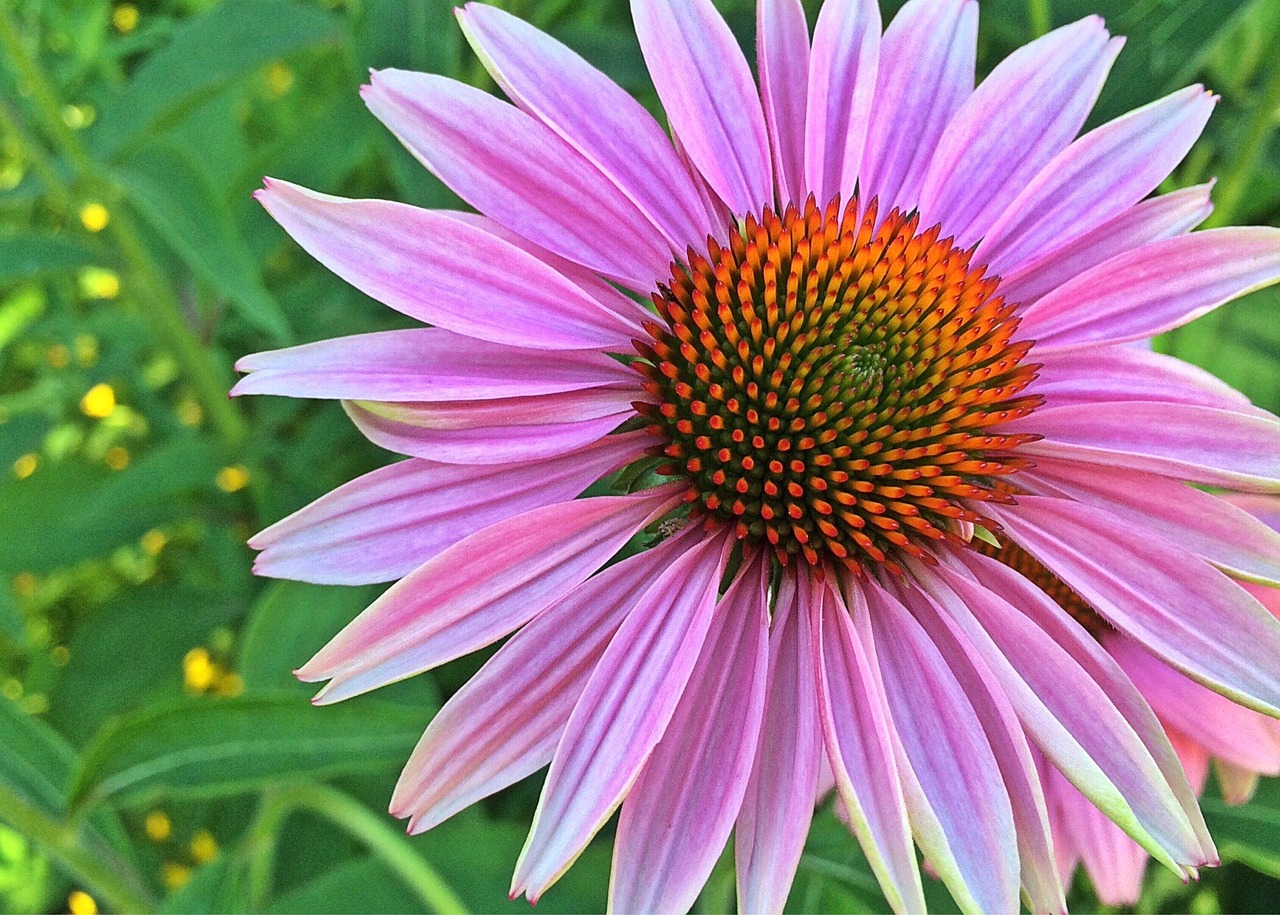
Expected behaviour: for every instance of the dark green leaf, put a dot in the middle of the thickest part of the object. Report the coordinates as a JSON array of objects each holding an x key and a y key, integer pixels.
[{"x": 33, "y": 254}]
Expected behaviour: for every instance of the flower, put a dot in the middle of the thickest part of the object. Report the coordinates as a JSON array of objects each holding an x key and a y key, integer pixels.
[{"x": 886, "y": 316}]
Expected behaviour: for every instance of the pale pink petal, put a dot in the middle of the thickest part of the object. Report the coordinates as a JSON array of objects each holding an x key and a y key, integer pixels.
[
  {"x": 507, "y": 431},
  {"x": 1204, "y": 524},
  {"x": 1265, "y": 508},
  {"x": 782, "y": 53},
  {"x": 505, "y": 722},
  {"x": 842, "y": 84},
  {"x": 778, "y": 805},
  {"x": 1236, "y": 783},
  {"x": 1114, "y": 862},
  {"x": 519, "y": 172},
  {"x": 385, "y": 524},
  {"x": 1031, "y": 106},
  {"x": 1185, "y": 441},
  {"x": 593, "y": 114},
  {"x": 677, "y": 818},
  {"x": 445, "y": 272},
  {"x": 622, "y": 714},
  {"x": 858, "y": 732},
  {"x": 710, "y": 98},
  {"x": 429, "y": 363},
  {"x": 478, "y": 590},
  {"x": 1178, "y": 606},
  {"x": 1096, "y": 178},
  {"x": 926, "y": 72},
  {"x": 1155, "y": 288},
  {"x": 962, "y": 816},
  {"x": 1193, "y": 758},
  {"x": 1161, "y": 217}
]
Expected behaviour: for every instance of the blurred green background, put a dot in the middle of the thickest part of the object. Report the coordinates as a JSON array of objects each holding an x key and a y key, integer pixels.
[{"x": 155, "y": 752}]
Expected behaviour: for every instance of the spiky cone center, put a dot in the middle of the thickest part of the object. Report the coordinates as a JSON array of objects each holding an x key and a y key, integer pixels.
[
  {"x": 833, "y": 384},
  {"x": 1022, "y": 562}
]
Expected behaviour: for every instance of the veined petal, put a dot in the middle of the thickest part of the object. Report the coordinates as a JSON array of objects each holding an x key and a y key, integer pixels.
[
  {"x": 505, "y": 722},
  {"x": 594, "y": 115},
  {"x": 424, "y": 364},
  {"x": 677, "y": 818},
  {"x": 926, "y": 72},
  {"x": 622, "y": 714},
  {"x": 859, "y": 738},
  {"x": 1022, "y": 115},
  {"x": 385, "y": 524},
  {"x": 1096, "y": 178},
  {"x": 1166, "y": 216},
  {"x": 1178, "y": 606},
  {"x": 779, "y": 801},
  {"x": 478, "y": 590},
  {"x": 519, "y": 172},
  {"x": 445, "y": 272},
  {"x": 842, "y": 82},
  {"x": 709, "y": 96},
  {"x": 1114, "y": 862},
  {"x": 782, "y": 49},
  {"x": 1155, "y": 288}
]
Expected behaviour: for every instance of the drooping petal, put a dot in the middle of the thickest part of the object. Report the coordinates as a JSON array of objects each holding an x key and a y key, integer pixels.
[
  {"x": 709, "y": 96},
  {"x": 960, "y": 809},
  {"x": 1114, "y": 862},
  {"x": 593, "y": 114},
  {"x": 385, "y": 524},
  {"x": 445, "y": 272},
  {"x": 478, "y": 590},
  {"x": 1166, "y": 216},
  {"x": 1185, "y": 441},
  {"x": 926, "y": 72},
  {"x": 1155, "y": 288},
  {"x": 677, "y": 818},
  {"x": 1175, "y": 604},
  {"x": 519, "y": 172},
  {"x": 782, "y": 49},
  {"x": 778, "y": 805},
  {"x": 1236, "y": 783},
  {"x": 505, "y": 722},
  {"x": 1097, "y": 178},
  {"x": 495, "y": 431},
  {"x": 622, "y": 714},
  {"x": 1022, "y": 115},
  {"x": 842, "y": 83},
  {"x": 427, "y": 364},
  {"x": 857, "y": 729}
]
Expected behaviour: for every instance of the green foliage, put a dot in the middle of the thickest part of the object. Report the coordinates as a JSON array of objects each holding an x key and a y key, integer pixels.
[{"x": 155, "y": 749}]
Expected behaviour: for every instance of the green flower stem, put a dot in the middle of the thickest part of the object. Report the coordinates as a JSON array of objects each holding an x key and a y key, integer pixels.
[
  {"x": 1040, "y": 15},
  {"x": 348, "y": 814},
  {"x": 114, "y": 882},
  {"x": 1236, "y": 177}
]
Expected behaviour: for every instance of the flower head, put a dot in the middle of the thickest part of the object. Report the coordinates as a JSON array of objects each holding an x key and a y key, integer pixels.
[{"x": 820, "y": 343}]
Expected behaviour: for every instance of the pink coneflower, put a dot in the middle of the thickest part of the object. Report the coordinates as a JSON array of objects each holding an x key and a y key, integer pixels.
[{"x": 884, "y": 317}]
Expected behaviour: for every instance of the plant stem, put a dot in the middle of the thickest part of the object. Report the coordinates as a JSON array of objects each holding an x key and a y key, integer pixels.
[
  {"x": 113, "y": 882},
  {"x": 1235, "y": 179},
  {"x": 1040, "y": 15}
]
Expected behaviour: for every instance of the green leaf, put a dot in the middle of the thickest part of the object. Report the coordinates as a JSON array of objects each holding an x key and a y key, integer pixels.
[
  {"x": 1248, "y": 834},
  {"x": 168, "y": 190},
  {"x": 204, "y": 747},
  {"x": 204, "y": 892},
  {"x": 29, "y": 255}
]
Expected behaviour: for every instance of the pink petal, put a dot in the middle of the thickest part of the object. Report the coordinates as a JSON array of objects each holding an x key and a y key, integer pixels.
[
  {"x": 710, "y": 98},
  {"x": 860, "y": 743},
  {"x": 842, "y": 83},
  {"x": 445, "y": 272},
  {"x": 778, "y": 805},
  {"x": 1096, "y": 178},
  {"x": 505, "y": 722},
  {"x": 594, "y": 115},
  {"x": 385, "y": 524},
  {"x": 478, "y": 590},
  {"x": 1155, "y": 288},
  {"x": 504, "y": 431},
  {"x": 1193, "y": 758},
  {"x": 428, "y": 364},
  {"x": 1031, "y": 106},
  {"x": 782, "y": 48},
  {"x": 1194, "y": 443},
  {"x": 1161, "y": 217},
  {"x": 622, "y": 714},
  {"x": 677, "y": 818},
  {"x": 1114, "y": 862},
  {"x": 516, "y": 170},
  {"x": 960, "y": 810},
  {"x": 1178, "y": 606},
  {"x": 925, "y": 74},
  {"x": 1237, "y": 784}
]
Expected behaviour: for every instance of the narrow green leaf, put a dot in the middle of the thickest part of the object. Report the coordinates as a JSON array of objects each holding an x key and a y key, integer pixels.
[
  {"x": 1248, "y": 834},
  {"x": 28, "y": 255}
]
